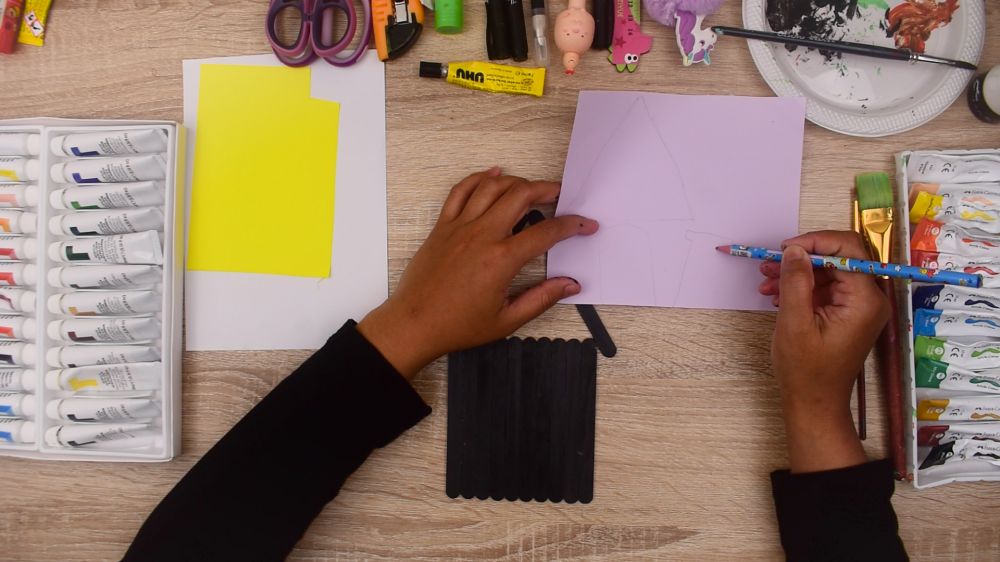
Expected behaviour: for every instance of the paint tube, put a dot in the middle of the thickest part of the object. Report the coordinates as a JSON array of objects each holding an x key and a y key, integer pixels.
[
  {"x": 18, "y": 196},
  {"x": 128, "y": 377},
  {"x": 108, "y": 196},
  {"x": 13, "y": 430},
  {"x": 17, "y": 405},
  {"x": 17, "y": 222},
  {"x": 15, "y": 169},
  {"x": 17, "y": 327},
  {"x": 953, "y": 323},
  {"x": 17, "y": 274},
  {"x": 20, "y": 144},
  {"x": 110, "y": 170},
  {"x": 139, "y": 248},
  {"x": 70, "y": 356},
  {"x": 956, "y": 213},
  {"x": 950, "y": 297},
  {"x": 86, "y": 409},
  {"x": 963, "y": 450},
  {"x": 934, "y": 236},
  {"x": 962, "y": 408},
  {"x": 94, "y": 330},
  {"x": 17, "y": 379},
  {"x": 110, "y": 143},
  {"x": 105, "y": 276},
  {"x": 100, "y": 223},
  {"x": 102, "y": 436},
  {"x": 936, "y": 434},
  {"x": 935, "y": 374},
  {"x": 984, "y": 195},
  {"x": 942, "y": 168},
  {"x": 102, "y": 303},
  {"x": 15, "y": 299},
  {"x": 17, "y": 353},
  {"x": 978, "y": 356},
  {"x": 986, "y": 267}
]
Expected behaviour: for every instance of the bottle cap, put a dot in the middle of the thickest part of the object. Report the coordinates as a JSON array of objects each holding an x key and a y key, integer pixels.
[
  {"x": 54, "y": 304},
  {"x": 28, "y": 354},
  {"x": 433, "y": 70},
  {"x": 31, "y": 169},
  {"x": 52, "y": 411},
  {"x": 448, "y": 16},
  {"x": 56, "y": 145},
  {"x": 34, "y": 144},
  {"x": 30, "y": 248},
  {"x": 55, "y": 226},
  {"x": 56, "y": 199},
  {"x": 52, "y": 435},
  {"x": 28, "y": 327},
  {"x": 52, "y": 330},
  {"x": 52, "y": 379},
  {"x": 54, "y": 253},
  {"x": 28, "y": 405},
  {"x": 52, "y": 357},
  {"x": 56, "y": 172},
  {"x": 27, "y": 303},
  {"x": 31, "y": 195},
  {"x": 30, "y": 274},
  {"x": 28, "y": 432},
  {"x": 28, "y": 222},
  {"x": 28, "y": 379},
  {"x": 53, "y": 276}
]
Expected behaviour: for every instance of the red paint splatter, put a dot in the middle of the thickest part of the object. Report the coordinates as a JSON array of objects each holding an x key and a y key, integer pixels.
[{"x": 912, "y": 22}]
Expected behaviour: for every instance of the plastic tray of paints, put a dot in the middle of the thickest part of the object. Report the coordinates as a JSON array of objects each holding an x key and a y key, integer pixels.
[
  {"x": 952, "y": 372},
  {"x": 91, "y": 265}
]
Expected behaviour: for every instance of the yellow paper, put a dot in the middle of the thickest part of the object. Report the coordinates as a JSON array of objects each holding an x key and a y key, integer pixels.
[{"x": 264, "y": 170}]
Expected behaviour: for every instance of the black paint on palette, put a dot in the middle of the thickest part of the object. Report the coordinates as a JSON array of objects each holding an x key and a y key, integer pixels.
[
  {"x": 521, "y": 417},
  {"x": 814, "y": 19}
]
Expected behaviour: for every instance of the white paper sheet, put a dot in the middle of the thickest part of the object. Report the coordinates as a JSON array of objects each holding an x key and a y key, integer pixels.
[{"x": 229, "y": 311}]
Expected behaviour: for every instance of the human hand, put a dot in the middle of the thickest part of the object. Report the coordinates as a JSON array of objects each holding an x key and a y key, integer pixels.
[
  {"x": 828, "y": 321},
  {"x": 454, "y": 293}
]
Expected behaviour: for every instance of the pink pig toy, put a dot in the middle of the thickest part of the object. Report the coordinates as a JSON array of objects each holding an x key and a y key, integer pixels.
[{"x": 574, "y": 32}]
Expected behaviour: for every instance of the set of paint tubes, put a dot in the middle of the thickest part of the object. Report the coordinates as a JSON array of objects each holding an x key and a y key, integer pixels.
[
  {"x": 106, "y": 289},
  {"x": 955, "y": 214},
  {"x": 19, "y": 172}
]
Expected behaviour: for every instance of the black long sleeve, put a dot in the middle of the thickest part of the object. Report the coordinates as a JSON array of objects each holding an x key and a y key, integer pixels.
[
  {"x": 252, "y": 496},
  {"x": 838, "y": 515}
]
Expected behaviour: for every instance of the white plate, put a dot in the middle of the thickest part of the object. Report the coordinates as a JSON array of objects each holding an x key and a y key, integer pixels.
[{"x": 865, "y": 96}]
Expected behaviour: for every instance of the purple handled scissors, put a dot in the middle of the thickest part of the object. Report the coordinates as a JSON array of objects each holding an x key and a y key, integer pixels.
[{"x": 315, "y": 38}]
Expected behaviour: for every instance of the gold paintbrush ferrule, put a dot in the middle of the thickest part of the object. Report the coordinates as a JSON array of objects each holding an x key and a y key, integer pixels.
[{"x": 877, "y": 227}]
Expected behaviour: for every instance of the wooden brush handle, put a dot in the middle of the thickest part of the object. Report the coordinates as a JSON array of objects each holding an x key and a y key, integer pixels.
[{"x": 892, "y": 380}]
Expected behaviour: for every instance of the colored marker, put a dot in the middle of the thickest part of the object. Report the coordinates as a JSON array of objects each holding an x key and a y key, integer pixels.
[{"x": 894, "y": 270}]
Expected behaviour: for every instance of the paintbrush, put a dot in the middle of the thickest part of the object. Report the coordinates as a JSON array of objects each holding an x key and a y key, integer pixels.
[
  {"x": 876, "y": 210},
  {"x": 848, "y": 47},
  {"x": 862, "y": 397}
]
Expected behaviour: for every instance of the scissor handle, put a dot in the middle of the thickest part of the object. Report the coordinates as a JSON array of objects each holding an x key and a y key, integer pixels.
[
  {"x": 322, "y": 26},
  {"x": 347, "y": 6},
  {"x": 301, "y": 52}
]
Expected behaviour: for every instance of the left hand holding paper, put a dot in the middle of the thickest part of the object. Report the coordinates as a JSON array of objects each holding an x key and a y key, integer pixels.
[{"x": 454, "y": 293}]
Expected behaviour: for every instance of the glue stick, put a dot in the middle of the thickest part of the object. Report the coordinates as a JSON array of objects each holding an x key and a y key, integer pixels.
[{"x": 488, "y": 76}]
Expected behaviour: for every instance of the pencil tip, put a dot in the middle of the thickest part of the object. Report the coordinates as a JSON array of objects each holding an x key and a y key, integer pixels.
[{"x": 723, "y": 249}]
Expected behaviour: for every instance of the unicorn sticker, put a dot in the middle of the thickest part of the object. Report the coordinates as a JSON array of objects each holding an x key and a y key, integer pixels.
[{"x": 694, "y": 42}]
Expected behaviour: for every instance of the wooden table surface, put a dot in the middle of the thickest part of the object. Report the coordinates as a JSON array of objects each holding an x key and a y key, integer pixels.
[{"x": 688, "y": 426}]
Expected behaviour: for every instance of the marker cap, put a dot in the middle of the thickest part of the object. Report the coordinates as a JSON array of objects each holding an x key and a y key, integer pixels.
[
  {"x": 53, "y": 331},
  {"x": 28, "y": 434},
  {"x": 52, "y": 412},
  {"x": 31, "y": 168},
  {"x": 54, "y": 301},
  {"x": 52, "y": 379},
  {"x": 28, "y": 405},
  {"x": 52, "y": 357},
  {"x": 28, "y": 379},
  {"x": 52, "y": 434},
  {"x": 34, "y": 144},
  {"x": 448, "y": 16},
  {"x": 56, "y": 172}
]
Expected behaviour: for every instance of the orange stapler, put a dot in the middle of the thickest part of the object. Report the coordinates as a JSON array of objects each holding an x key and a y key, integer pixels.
[{"x": 397, "y": 24}]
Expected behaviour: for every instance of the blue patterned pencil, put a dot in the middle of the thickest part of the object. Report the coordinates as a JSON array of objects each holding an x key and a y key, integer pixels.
[{"x": 894, "y": 270}]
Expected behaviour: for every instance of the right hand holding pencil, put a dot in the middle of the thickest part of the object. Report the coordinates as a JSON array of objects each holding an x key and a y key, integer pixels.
[{"x": 828, "y": 321}]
